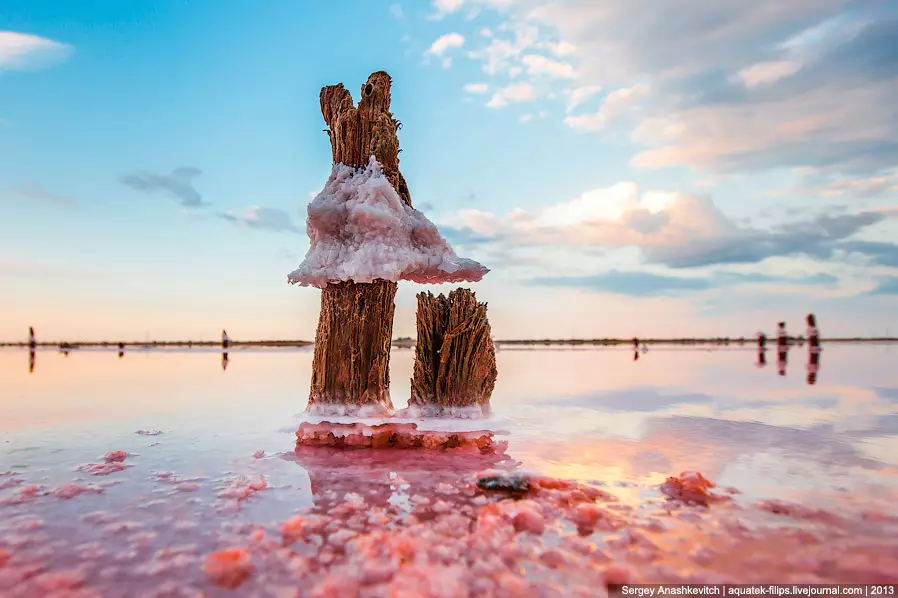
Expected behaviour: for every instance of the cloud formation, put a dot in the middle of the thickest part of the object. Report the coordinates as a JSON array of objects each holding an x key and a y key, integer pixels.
[
  {"x": 731, "y": 87},
  {"x": 39, "y": 194},
  {"x": 178, "y": 184},
  {"x": 273, "y": 219},
  {"x": 671, "y": 229},
  {"x": 25, "y": 52},
  {"x": 646, "y": 284}
]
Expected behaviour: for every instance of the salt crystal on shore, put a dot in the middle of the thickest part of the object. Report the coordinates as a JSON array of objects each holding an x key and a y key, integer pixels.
[{"x": 361, "y": 230}]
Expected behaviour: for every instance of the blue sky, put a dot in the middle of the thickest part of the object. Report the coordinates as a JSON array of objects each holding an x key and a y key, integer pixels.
[{"x": 625, "y": 167}]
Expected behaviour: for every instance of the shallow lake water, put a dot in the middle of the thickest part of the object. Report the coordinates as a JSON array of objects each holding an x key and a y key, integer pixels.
[{"x": 806, "y": 475}]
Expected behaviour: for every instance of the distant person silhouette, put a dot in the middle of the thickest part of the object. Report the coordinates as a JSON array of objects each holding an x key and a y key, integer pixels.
[
  {"x": 225, "y": 340},
  {"x": 762, "y": 341},
  {"x": 813, "y": 332},
  {"x": 121, "y": 350},
  {"x": 814, "y": 349},
  {"x": 32, "y": 340}
]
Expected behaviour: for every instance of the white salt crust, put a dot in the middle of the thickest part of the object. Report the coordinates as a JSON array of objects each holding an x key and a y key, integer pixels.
[{"x": 361, "y": 230}]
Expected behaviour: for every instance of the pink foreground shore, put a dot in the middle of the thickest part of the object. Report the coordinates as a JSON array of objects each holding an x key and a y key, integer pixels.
[{"x": 426, "y": 521}]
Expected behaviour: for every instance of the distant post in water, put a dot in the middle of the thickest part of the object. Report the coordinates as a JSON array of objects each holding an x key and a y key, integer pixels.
[{"x": 782, "y": 339}]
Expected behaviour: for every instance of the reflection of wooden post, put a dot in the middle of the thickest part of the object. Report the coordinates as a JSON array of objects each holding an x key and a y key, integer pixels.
[
  {"x": 455, "y": 360},
  {"x": 352, "y": 344}
]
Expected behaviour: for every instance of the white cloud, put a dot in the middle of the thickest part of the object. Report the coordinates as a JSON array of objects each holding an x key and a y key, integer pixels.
[
  {"x": 486, "y": 32},
  {"x": 578, "y": 95},
  {"x": 516, "y": 92},
  {"x": 22, "y": 51},
  {"x": 614, "y": 216},
  {"x": 498, "y": 56},
  {"x": 525, "y": 118},
  {"x": 537, "y": 64},
  {"x": 765, "y": 73},
  {"x": 615, "y": 103},
  {"x": 445, "y": 43},
  {"x": 396, "y": 10},
  {"x": 477, "y": 88},
  {"x": 446, "y": 7}
]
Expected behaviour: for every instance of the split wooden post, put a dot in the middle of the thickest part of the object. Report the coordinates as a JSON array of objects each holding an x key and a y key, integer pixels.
[{"x": 352, "y": 344}]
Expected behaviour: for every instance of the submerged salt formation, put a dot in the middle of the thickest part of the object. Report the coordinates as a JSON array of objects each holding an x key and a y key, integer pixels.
[
  {"x": 365, "y": 236},
  {"x": 455, "y": 360}
]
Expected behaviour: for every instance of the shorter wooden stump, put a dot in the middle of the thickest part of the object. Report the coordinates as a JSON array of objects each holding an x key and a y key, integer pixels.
[{"x": 455, "y": 359}]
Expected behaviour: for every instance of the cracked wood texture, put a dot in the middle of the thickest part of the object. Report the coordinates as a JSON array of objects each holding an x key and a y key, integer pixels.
[
  {"x": 455, "y": 360},
  {"x": 352, "y": 344}
]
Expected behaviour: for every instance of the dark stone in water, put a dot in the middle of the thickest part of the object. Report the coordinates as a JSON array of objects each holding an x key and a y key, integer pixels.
[{"x": 515, "y": 483}]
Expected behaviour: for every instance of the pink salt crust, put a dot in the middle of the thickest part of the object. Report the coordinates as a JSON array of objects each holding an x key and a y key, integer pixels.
[
  {"x": 394, "y": 435},
  {"x": 389, "y": 523}
]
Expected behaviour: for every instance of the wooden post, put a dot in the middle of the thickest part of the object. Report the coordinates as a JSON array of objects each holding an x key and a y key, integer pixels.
[
  {"x": 455, "y": 360},
  {"x": 350, "y": 367}
]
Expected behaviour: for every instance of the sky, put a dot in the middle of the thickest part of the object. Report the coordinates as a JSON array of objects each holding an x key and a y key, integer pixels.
[{"x": 624, "y": 167}]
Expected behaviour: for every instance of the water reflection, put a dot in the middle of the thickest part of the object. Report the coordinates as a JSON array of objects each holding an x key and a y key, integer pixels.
[
  {"x": 572, "y": 413},
  {"x": 31, "y": 360},
  {"x": 782, "y": 358},
  {"x": 762, "y": 358}
]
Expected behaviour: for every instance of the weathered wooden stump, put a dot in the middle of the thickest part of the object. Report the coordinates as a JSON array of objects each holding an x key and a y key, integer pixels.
[
  {"x": 350, "y": 367},
  {"x": 455, "y": 360}
]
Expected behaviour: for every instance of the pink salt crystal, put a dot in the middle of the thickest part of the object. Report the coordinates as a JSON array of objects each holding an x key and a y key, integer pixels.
[
  {"x": 115, "y": 456},
  {"x": 57, "y": 581},
  {"x": 374, "y": 573},
  {"x": 10, "y": 483},
  {"x": 690, "y": 487},
  {"x": 586, "y": 515},
  {"x": 617, "y": 574},
  {"x": 5, "y": 555},
  {"x": 335, "y": 586},
  {"x": 102, "y": 468},
  {"x": 68, "y": 491},
  {"x": 258, "y": 454},
  {"x": 229, "y": 568},
  {"x": 529, "y": 519},
  {"x": 293, "y": 529},
  {"x": 187, "y": 487}
]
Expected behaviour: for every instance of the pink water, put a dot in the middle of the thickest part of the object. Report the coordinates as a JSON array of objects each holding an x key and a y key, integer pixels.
[{"x": 211, "y": 499}]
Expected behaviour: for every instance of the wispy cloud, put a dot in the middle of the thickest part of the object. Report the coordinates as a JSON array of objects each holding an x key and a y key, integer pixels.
[
  {"x": 648, "y": 284},
  {"x": 477, "y": 88},
  {"x": 23, "y": 51},
  {"x": 445, "y": 43},
  {"x": 178, "y": 184},
  {"x": 396, "y": 11},
  {"x": 539, "y": 65},
  {"x": 39, "y": 194},
  {"x": 273, "y": 219},
  {"x": 516, "y": 92}
]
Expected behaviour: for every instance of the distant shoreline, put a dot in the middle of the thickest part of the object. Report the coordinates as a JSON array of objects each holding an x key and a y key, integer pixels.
[{"x": 408, "y": 342}]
